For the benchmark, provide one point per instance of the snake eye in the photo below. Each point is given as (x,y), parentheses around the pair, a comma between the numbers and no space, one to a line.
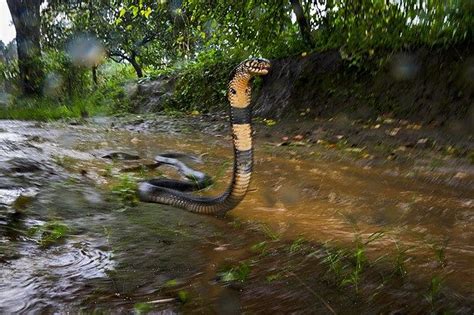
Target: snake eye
(233,91)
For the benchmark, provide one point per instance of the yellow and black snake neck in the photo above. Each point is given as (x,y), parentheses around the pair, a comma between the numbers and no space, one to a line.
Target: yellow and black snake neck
(239,95)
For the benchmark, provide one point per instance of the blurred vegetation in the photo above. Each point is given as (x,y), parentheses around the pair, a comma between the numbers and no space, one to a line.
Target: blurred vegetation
(91,49)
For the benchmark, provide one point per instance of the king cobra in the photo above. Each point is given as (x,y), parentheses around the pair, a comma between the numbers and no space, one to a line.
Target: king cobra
(172,192)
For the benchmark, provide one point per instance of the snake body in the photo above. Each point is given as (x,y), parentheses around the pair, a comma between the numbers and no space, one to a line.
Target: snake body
(172,192)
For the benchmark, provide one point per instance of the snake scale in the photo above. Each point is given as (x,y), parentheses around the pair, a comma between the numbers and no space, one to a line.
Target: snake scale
(175,193)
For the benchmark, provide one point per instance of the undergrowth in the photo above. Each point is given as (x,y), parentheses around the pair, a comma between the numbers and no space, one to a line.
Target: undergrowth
(201,84)
(47,109)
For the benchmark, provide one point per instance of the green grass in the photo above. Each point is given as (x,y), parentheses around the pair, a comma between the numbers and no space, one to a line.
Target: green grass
(439,250)
(44,109)
(237,273)
(334,260)
(259,248)
(297,246)
(126,190)
(400,261)
(271,234)
(434,292)
(142,308)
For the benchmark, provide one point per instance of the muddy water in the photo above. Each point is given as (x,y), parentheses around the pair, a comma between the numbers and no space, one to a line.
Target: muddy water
(116,256)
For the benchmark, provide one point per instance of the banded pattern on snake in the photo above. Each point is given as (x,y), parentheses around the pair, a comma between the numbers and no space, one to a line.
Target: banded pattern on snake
(171,192)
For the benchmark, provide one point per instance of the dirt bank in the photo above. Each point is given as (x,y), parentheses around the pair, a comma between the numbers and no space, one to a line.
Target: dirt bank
(426,84)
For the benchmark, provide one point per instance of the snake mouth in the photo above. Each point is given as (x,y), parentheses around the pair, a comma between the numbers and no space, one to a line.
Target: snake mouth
(258,66)
(263,70)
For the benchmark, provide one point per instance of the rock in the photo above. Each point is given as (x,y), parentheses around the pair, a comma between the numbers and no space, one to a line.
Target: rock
(123,156)
(76,122)
(423,143)
(460,175)
(17,198)
(131,89)
(393,132)
(22,202)
(150,96)
(37,139)
(19,165)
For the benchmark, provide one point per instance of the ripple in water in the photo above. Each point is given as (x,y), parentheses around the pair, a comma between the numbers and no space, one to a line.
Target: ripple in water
(44,278)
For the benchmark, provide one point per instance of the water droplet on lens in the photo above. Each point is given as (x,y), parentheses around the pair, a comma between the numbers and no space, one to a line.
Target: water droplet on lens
(85,50)
(404,67)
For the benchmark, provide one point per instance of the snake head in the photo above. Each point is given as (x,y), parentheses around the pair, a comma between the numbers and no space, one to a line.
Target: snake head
(256,66)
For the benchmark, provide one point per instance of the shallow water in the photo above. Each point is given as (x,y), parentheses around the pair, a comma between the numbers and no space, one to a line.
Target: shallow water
(116,257)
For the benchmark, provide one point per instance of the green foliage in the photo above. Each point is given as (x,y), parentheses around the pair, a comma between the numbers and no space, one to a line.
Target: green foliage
(273,277)
(246,27)
(360,28)
(199,42)
(259,247)
(470,156)
(142,308)
(126,190)
(434,291)
(50,233)
(334,260)
(64,80)
(183,296)
(357,28)
(400,261)
(269,232)
(297,245)
(110,92)
(202,84)
(45,109)
(439,250)
(9,72)
(144,33)
(359,259)
(237,273)
(69,95)
(345,274)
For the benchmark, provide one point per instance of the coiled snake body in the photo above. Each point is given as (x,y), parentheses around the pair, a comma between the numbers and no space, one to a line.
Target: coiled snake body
(171,192)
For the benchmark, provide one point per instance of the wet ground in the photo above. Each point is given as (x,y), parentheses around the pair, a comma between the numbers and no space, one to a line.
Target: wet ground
(334,222)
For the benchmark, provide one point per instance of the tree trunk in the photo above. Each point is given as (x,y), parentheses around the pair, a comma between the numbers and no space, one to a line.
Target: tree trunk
(27,21)
(302,22)
(138,69)
(94,75)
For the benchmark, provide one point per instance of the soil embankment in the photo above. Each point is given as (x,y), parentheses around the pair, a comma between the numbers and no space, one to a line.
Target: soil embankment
(429,85)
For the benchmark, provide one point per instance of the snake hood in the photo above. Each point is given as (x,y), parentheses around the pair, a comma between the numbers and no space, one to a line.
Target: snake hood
(239,96)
